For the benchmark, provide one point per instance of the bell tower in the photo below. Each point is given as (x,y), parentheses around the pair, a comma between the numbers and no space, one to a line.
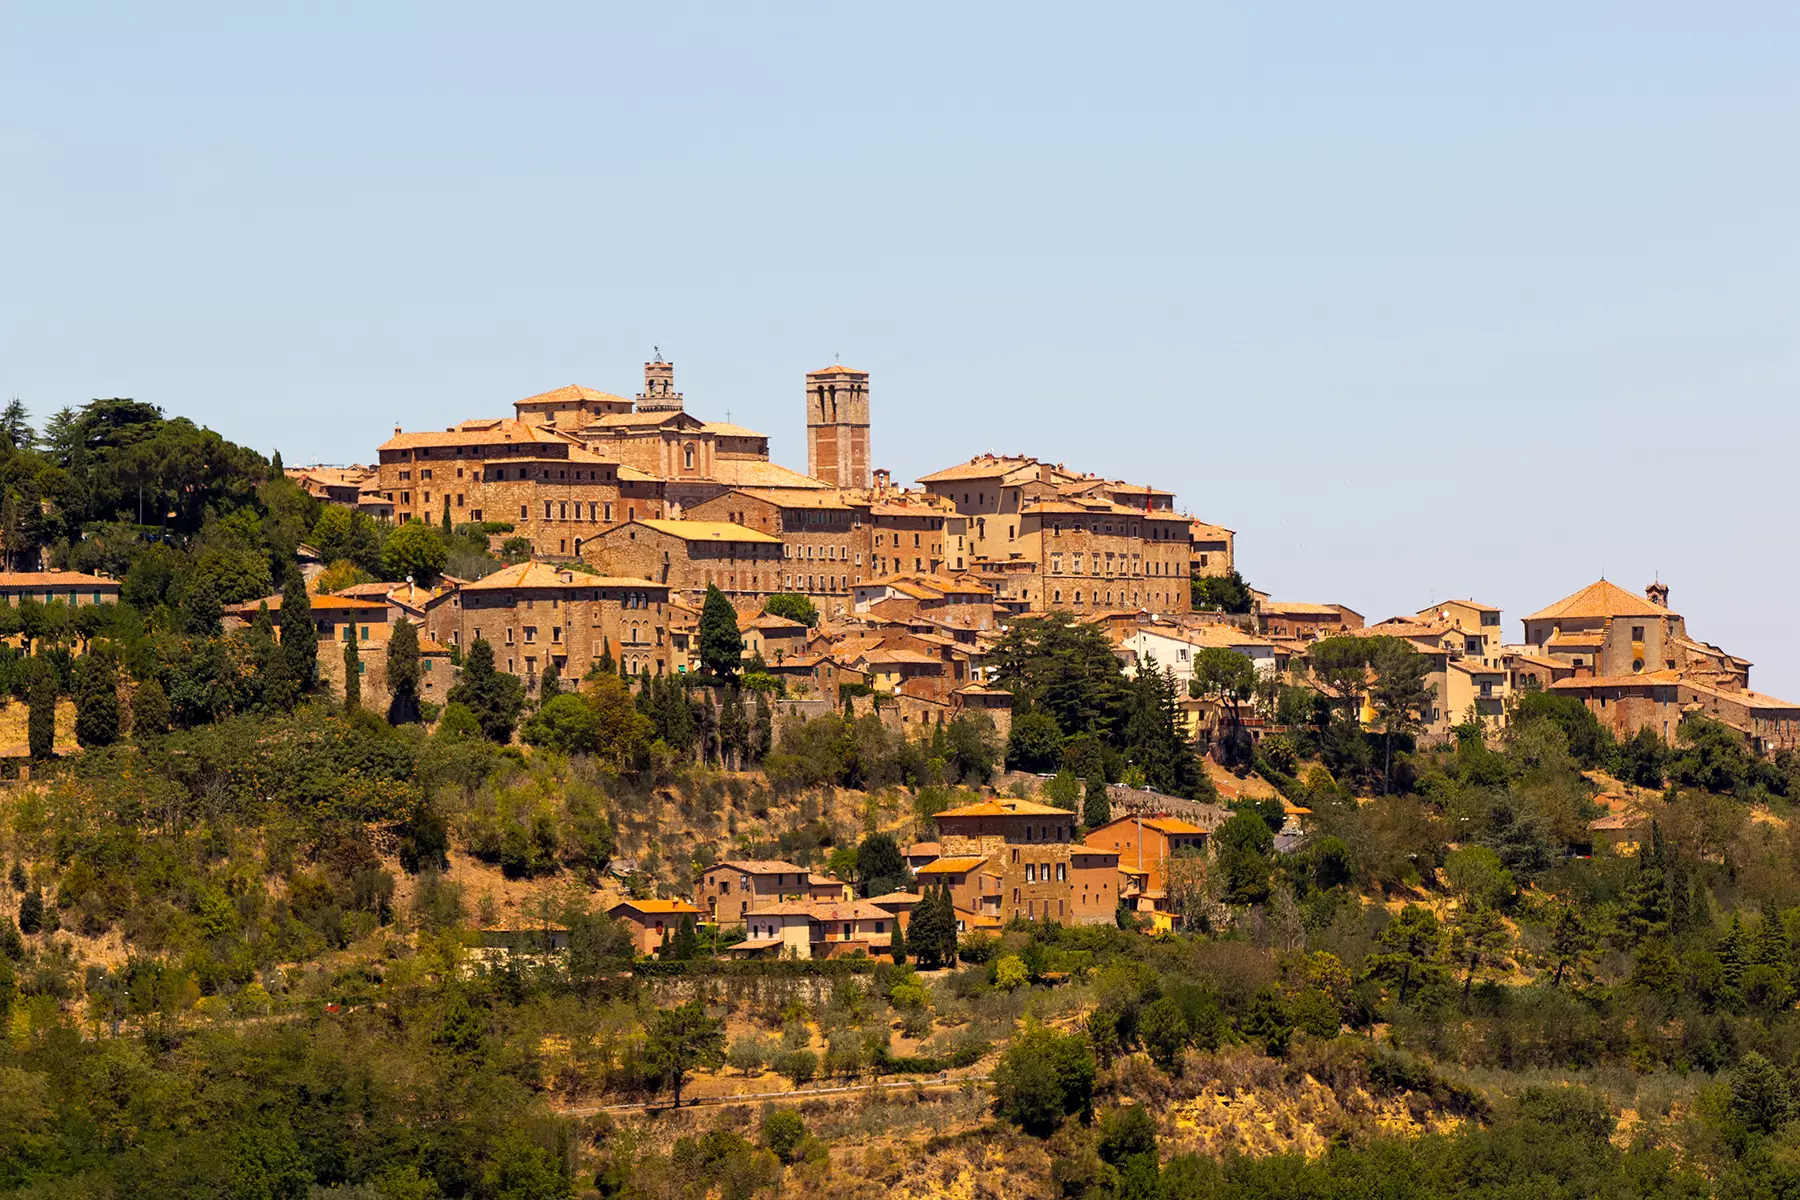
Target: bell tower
(837,426)
(659,394)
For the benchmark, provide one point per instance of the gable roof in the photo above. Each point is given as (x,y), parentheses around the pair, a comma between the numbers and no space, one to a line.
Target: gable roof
(709,531)
(1596,600)
(761,866)
(1007,807)
(680,907)
(533,574)
(753,472)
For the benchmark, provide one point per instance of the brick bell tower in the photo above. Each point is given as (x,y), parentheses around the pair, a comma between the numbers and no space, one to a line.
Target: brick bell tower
(659,394)
(837,426)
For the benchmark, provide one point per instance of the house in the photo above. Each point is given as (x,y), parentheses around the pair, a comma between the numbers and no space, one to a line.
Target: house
(901,904)
(649,922)
(817,929)
(771,638)
(1306,622)
(74,588)
(728,891)
(1145,844)
(1177,648)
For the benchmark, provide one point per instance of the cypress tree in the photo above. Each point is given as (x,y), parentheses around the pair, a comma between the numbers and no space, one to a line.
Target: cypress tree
(41,725)
(149,709)
(352,671)
(299,640)
(897,947)
(403,673)
(721,645)
(97,699)
(605,665)
(446,512)
(550,682)
(1096,809)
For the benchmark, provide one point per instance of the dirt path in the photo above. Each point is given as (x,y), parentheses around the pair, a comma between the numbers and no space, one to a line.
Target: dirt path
(757,1097)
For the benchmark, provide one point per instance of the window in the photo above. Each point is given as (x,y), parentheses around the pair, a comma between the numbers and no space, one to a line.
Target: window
(1637,633)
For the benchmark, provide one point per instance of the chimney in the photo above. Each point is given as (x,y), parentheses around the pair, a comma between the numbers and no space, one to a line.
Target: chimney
(1658,594)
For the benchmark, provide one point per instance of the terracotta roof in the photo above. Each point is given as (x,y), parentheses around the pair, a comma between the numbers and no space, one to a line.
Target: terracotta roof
(747,472)
(1576,637)
(795,497)
(1468,667)
(1202,532)
(542,575)
(1743,696)
(1006,807)
(952,866)
(1215,637)
(1642,679)
(572,393)
(710,531)
(762,866)
(648,420)
(836,369)
(768,622)
(476,433)
(980,467)
(920,849)
(824,910)
(657,906)
(897,898)
(1477,605)
(1537,660)
(727,429)
(1294,608)
(39,579)
(976,920)
(1599,599)
(326,601)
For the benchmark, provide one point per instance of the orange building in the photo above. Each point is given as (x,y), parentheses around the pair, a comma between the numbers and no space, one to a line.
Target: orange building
(649,921)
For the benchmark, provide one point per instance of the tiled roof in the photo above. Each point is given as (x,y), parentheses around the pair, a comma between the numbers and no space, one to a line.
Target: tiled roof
(768,622)
(763,866)
(952,866)
(837,369)
(1641,679)
(1294,608)
(39,579)
(1202,532)
(1577,637)
(648,420)
(571,394)
(327,601)
(1596,600)
(542,575)
(681,907)
(1744,696)
(810,498)
(711,531)
(897,898)
(727,429)
(825,910)
(750,472)
(980,467)
(475,433)
(1006,807)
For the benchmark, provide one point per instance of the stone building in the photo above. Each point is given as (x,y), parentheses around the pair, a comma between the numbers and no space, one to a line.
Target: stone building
(1019,858)
(74,588)
(1047,539)
(729,891)
(823,540)
(534,614)
(686,557)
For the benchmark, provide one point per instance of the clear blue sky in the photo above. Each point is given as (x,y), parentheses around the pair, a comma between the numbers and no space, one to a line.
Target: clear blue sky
(1423,301)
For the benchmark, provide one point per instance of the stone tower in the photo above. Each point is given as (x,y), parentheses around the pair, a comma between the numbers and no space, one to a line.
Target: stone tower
(659,394)
(837,426)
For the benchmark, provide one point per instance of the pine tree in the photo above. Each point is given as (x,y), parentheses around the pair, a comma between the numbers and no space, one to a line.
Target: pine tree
(352,671)
(41,723)
(403,673)
(1772,948)
(495,698)
(299,640)
(721,645)
(1734,951)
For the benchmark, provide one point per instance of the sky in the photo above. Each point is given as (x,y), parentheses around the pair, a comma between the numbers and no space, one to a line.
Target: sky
(1424,301)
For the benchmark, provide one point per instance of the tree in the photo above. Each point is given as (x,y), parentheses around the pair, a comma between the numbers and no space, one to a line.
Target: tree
(200,609)
(149,709)
(494,698)
(550,682)
(403,673)
(1245,843)
(794,607)
(1096,809)
(1064,790)
(897,944)
(339,575)
(1400,695)
(721,645)
(1043,1077)
(31,912)
(1479,876)
(880,867)
(682,1040)
(41,722)
(414,551)
(783,1132)
(933,939)
(299,640)
(1223,675)
(352,669)
(446,522)
(1478,939)
(15,426)
(1163,1029)
(1761,1098)
(97,698)
(1035,743)
(1221,593)
(1410,953)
